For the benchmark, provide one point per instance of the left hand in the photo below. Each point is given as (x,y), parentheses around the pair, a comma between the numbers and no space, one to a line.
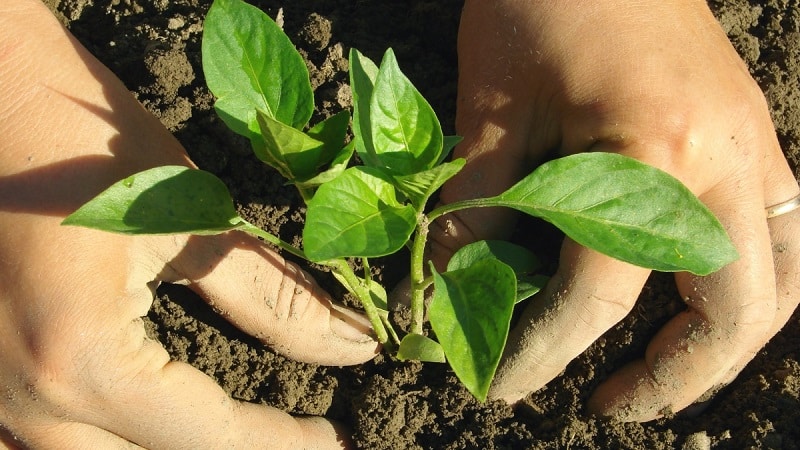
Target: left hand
(76,367)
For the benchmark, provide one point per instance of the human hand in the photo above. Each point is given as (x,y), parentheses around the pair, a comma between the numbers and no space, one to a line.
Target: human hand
(658,81)
(76,368)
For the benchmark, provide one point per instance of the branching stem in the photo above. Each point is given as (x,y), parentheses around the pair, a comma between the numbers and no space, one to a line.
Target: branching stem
(456,206)
(357,287)
(417,275)
(271,238)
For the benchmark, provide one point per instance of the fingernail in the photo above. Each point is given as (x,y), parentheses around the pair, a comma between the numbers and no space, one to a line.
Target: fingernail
(350,324)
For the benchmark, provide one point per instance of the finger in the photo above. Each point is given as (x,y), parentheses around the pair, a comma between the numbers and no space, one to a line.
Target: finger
(141,397)
(71,435)
(271,299)
(728,317)
(102,377)
(86,359)
(785,236)
(495,113)
(580,303)
(784,232)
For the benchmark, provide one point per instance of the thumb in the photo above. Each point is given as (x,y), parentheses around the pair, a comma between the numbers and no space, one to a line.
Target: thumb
(270,298)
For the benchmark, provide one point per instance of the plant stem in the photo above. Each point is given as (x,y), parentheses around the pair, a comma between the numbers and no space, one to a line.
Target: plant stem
(354,284)
(358,289)
(418,275)
(305,193)
(456,206)
(271,238)
(418,281)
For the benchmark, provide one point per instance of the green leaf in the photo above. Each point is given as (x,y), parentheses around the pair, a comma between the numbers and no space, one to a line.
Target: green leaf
(338,165)
(356,215)
(249,65)
(419,187)
(530,285)
(447,146)
(471,315)
(163,200)
(376,292)
(406,134)
(332,133)
(298,155)
(290,151)
(520,259)
(363,73)
(625,209)
(416,347)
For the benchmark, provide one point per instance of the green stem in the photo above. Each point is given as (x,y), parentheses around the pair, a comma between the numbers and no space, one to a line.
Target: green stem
(354,284)
(358,289)
(456,206)
(271,238)
(418,281)
(305,193)
(418,275)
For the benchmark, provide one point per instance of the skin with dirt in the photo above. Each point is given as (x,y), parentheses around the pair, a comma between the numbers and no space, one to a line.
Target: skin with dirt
(154,46)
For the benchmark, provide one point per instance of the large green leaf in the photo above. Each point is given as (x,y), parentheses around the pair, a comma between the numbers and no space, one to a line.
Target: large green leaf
(249,65)
(471,315)
(406,134)
(625,209)
(356,215)
(167,199)
(363,73)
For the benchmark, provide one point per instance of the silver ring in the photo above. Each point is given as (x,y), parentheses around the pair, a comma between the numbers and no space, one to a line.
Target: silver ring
(784,207)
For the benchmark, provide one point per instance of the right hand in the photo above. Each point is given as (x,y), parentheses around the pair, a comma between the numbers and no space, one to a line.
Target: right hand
(658,81)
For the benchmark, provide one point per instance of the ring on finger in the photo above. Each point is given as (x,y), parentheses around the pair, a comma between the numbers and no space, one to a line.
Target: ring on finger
(784,207)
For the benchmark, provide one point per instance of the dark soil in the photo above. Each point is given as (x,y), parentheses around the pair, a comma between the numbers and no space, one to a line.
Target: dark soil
(154,46)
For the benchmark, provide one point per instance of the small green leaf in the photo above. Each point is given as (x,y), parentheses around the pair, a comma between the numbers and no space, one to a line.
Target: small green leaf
(363,73)
(298,155)
(406,133)
(448,144)
(625,209)
(332,133)
(530,285)
(376,292)
(471,315)
(338,165)
(520,259)
(250,65)
(419,187)
(290,151)
(163,200)
(416,347)
(356,215)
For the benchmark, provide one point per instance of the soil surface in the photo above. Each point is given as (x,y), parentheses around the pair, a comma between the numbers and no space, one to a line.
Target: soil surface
(154,46)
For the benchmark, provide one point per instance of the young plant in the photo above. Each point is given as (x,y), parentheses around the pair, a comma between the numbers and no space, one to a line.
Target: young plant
(613,204)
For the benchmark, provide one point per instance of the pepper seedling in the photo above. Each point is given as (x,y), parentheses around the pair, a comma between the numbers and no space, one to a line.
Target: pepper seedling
(357,211)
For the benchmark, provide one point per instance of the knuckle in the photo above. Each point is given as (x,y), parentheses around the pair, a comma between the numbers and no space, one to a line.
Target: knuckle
(599,312)
(66,377)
